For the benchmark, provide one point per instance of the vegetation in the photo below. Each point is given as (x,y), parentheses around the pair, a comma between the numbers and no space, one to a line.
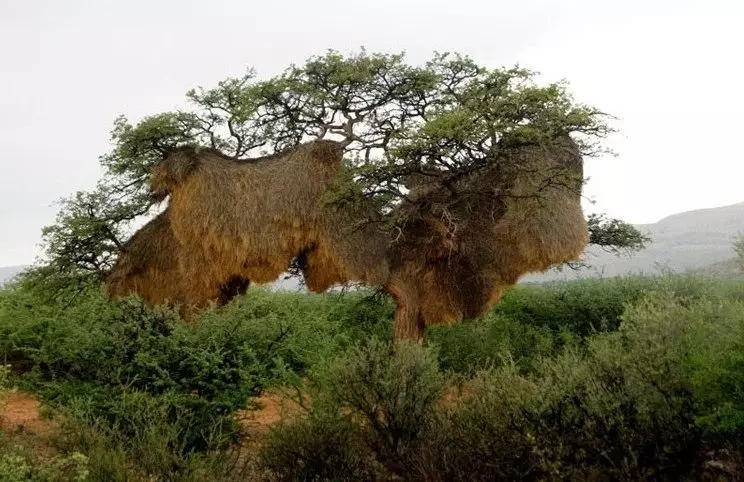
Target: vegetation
(739,250)
(441,184)
(626,378)
(631,378)
(444,120)
(630,405)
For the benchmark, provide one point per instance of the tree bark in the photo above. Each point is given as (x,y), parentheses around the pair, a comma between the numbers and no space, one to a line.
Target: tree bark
(408,325)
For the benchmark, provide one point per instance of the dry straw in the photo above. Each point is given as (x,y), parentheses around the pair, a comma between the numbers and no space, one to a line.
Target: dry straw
(233,220)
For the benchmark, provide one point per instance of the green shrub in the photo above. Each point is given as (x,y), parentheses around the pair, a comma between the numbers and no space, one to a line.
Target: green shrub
(126,363)
(139,385)
(627,378)
(151,451)
(21,464)
(634,404)
(395,394)
(492,340)
(534,321)
(326,445)
(370,410)
(296,331)
(708,353)
(590,306)
(643,402)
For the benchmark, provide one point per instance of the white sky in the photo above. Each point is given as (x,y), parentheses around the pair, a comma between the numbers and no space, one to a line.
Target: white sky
(670,70)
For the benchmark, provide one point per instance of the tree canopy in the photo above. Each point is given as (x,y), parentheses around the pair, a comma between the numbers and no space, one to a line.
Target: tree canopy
(443,120)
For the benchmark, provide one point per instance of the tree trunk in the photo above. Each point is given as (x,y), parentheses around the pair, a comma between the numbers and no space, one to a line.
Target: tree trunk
(409,325)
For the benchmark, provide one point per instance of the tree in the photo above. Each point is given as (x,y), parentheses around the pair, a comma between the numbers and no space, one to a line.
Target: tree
(738,245)
(443,122)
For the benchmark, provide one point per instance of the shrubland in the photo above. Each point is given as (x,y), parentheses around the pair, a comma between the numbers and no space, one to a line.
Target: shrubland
(628,378)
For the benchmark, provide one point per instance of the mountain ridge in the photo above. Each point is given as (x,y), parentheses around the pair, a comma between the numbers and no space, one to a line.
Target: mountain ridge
(690,240)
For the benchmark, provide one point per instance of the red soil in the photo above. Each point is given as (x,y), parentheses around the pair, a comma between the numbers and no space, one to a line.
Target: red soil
(19,412)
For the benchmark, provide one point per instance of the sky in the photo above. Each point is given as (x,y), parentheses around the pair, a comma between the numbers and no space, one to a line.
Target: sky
(670,71)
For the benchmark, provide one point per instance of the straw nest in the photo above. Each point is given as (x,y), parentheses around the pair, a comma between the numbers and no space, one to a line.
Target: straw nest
(249,218)
(465,243)
(148,265)
(233,220)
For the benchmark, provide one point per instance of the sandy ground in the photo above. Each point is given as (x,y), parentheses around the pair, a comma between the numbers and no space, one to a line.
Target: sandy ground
(273,407)
(19,412)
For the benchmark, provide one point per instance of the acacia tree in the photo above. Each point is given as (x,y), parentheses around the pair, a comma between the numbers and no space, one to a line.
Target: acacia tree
(443,120)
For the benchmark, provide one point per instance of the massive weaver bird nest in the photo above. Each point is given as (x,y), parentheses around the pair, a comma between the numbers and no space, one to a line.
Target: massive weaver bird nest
(233,221)
(464,242)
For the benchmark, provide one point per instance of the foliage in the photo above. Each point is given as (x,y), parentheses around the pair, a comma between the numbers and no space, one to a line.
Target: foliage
(127,363)
(533,321)
(625,378)
(394,395)
(444,120)
(138,384)
(642,402)
(18,466)
(4,372)
(739,250)
(615,235)
(323,446)
(369,404)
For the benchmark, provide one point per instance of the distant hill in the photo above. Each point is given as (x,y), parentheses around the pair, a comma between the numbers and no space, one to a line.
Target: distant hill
(730,269)
(693,240)
(7,272)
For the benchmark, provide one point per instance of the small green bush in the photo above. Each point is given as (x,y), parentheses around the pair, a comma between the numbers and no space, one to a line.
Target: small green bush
(297,331)
(21,464)
(152,452)
(324,446)
(493,340)
(370,410)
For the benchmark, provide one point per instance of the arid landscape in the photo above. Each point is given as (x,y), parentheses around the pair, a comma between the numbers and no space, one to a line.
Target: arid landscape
(425,241)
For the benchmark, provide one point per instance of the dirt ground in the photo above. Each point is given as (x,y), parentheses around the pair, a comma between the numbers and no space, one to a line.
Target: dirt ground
(273,407)
(21,413)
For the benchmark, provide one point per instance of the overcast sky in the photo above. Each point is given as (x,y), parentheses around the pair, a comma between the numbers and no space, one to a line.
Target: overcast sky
(670,70)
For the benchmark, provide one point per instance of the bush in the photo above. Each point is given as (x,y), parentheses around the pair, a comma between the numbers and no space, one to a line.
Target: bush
(132,366)
(297,331)
(136,384)
(643,402)
(710,357)
(535,321)
(627,378)
(15,466)
(368,399)
(153,452)
(493,340)
(326,445)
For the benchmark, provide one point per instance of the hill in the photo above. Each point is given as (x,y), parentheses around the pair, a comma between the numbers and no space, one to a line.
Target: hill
(693,240)
(7,272)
